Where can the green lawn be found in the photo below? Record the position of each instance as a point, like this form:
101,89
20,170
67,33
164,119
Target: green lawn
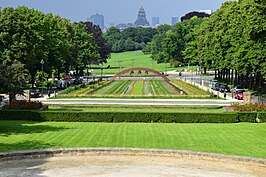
244,139
132,59
136,109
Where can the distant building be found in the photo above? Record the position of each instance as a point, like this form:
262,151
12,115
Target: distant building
97,20
123,26
174,20
141,20
112,24
155,21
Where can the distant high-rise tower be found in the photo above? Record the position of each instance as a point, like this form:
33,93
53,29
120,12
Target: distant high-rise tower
98,20
155,21
141,20
174,20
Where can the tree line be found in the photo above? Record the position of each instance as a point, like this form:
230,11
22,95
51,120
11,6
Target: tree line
232,42
28,36
129,39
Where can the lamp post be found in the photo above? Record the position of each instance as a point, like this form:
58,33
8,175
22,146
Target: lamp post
42,62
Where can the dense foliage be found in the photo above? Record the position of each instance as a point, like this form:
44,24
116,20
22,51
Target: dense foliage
24,104
28,36
250,107
13,76
231,41
168,46
194,13
129,39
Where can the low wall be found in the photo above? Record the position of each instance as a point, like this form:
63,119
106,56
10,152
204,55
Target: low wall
33,154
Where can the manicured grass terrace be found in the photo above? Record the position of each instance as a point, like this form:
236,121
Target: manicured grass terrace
244,139
136,108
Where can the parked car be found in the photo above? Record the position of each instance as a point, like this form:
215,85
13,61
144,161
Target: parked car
77,81
239,95
212,84
217,86
239,88
224,88
35,93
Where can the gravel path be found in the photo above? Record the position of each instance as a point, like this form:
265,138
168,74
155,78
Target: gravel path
130,166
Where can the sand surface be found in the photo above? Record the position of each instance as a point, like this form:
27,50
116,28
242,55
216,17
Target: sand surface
129,166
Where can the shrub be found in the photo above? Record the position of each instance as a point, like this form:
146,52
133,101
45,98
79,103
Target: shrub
250,107
247,117
261,117
24,104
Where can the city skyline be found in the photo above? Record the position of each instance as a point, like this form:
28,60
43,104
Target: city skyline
117,11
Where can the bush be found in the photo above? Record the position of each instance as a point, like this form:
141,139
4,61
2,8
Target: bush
247,117
24,104
250,107
261,117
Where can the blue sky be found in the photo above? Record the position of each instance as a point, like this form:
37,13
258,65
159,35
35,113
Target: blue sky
116,11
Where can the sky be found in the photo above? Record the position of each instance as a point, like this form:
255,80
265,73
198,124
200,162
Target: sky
116,11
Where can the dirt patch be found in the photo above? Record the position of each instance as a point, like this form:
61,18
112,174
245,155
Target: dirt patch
108,165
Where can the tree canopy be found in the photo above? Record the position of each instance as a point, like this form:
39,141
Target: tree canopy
28,36
129,39
231,41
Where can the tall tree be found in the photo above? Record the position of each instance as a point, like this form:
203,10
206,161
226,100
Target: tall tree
13,78
102,48
85,48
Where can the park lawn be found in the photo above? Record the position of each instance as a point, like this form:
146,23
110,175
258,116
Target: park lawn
136,109
245,139
131,60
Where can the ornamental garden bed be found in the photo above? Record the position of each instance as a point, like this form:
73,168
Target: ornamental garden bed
138,88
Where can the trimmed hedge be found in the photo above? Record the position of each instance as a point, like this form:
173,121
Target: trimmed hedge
261,117
63,116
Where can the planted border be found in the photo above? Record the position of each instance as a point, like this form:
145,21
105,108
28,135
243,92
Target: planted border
190,89
63,116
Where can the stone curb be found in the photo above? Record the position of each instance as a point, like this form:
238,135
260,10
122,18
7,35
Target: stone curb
32,154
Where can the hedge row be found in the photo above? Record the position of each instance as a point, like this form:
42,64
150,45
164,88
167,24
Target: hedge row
132,117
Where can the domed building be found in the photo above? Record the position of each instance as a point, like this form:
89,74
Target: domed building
141,20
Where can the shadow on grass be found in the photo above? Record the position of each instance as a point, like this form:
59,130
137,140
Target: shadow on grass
23,167
67,109
8,128
24,145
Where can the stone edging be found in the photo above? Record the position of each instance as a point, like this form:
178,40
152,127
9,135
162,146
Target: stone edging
31,154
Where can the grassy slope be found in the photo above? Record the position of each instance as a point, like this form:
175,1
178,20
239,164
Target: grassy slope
240,139
141,60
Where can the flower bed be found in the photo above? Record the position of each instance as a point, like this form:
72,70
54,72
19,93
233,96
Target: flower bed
142,88
188,88
24,104
250,107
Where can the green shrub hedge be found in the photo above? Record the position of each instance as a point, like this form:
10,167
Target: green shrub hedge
63,116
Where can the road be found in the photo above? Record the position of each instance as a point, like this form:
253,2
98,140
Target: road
139,101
